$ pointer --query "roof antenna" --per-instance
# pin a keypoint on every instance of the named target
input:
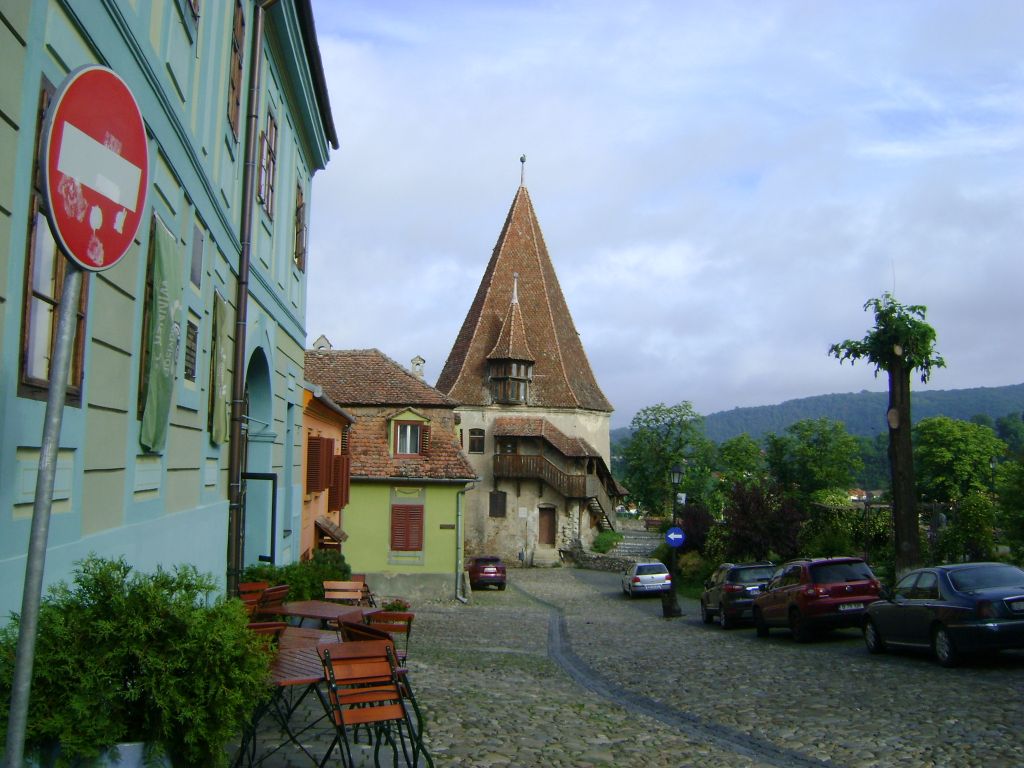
(515, 284)
(522, 171)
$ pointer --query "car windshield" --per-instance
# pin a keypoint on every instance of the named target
(652, 568)
(831, 573)
(986, 576)
(751, 575)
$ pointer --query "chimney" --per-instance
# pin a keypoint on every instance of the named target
(417, 367)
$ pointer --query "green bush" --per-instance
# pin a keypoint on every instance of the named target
(605, 541)
(307, 578)
(123, 656)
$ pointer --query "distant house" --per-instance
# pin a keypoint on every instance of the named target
(403, 522)
(533, 419)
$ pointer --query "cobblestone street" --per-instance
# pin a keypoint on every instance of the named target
(561, 670)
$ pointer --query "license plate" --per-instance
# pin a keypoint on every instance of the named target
(851, 607)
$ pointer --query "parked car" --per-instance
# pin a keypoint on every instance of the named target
(952, 610)
(485, 571)
(816, 594)
(729, 593)
(645, 577)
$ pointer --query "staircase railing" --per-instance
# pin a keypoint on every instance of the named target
(532, 467)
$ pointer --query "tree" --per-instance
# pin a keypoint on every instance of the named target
(954, 458)
(1010, 429)
(900, 343)
(1010, 492)
(740, 457)
(760, 520)
(814, 455)
(663, 436)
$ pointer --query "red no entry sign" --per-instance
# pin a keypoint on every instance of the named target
(97, 167)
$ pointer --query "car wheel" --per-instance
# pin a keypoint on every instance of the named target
(943, 648)
(501, 587)
(724, 621)
(873, 638)
(798, 626)
(759, 624)
(705, 614)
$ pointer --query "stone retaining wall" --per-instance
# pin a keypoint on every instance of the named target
(597, 562)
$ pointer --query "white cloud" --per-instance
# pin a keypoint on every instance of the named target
(721, 186)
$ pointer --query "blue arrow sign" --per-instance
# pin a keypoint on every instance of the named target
(675, 537)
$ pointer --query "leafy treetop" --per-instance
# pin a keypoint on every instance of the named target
(900, 332)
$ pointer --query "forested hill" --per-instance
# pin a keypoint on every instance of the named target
(863, 413)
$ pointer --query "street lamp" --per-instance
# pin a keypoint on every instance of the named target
(669, 600)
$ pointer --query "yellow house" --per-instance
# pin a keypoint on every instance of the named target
(403, 522)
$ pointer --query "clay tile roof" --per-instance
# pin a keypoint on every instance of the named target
(368, 377)
(511, 344)
(375, 389)
(515, 426)
(562, 377)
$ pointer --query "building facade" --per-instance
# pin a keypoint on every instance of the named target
(403, 523)
(533, 419)
(209, 474)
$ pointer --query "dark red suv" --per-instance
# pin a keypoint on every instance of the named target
(485, 570)
(823, 593)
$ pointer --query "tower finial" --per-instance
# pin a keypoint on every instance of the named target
(522, 171)
(515, 287)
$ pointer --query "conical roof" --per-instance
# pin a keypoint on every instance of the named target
(562, 377)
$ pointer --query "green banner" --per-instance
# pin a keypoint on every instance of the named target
(220, 417)
(162, 342)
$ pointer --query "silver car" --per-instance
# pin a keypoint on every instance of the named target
(644, 577)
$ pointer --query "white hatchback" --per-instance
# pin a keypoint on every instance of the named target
(644, 577)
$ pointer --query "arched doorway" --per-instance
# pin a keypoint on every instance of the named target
(259, 483)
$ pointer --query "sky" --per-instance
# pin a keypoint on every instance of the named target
(721, 186)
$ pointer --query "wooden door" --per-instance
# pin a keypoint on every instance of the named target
(546, 535)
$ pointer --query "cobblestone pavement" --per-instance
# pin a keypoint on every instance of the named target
(561, 670)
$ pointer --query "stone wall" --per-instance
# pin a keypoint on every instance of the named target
(597, 562)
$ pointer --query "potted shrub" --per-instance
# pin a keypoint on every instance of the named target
(131, 657)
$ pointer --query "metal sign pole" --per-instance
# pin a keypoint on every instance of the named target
(29, 622)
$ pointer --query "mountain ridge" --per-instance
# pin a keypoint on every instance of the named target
(863, 413)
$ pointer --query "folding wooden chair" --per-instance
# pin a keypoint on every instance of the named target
(363, 689)
(347, 592)
(249, 592)
(394, 623)
(369, 598)
(271, 601)
(352, 631)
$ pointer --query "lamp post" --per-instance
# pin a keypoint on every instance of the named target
(669, 600)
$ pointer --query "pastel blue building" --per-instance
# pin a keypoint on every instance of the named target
(210, 473)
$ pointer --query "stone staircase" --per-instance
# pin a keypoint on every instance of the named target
(546, 557)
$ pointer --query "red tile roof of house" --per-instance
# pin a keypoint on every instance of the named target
(375, 389)
(562, 377)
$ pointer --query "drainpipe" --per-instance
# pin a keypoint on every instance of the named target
(236, 515)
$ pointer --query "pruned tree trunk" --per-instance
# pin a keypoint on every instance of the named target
(901, 462)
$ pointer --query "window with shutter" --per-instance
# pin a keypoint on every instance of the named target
(337, 496)
(314, 459)
(406, 528)
(326, 463)
(497, 504)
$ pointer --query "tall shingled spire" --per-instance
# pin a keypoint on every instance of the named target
(537, 327)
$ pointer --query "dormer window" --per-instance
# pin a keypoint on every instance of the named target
(510, 380)
(411, 438)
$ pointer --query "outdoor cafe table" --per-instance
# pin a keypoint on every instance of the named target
(295, 673)
(322, 611)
